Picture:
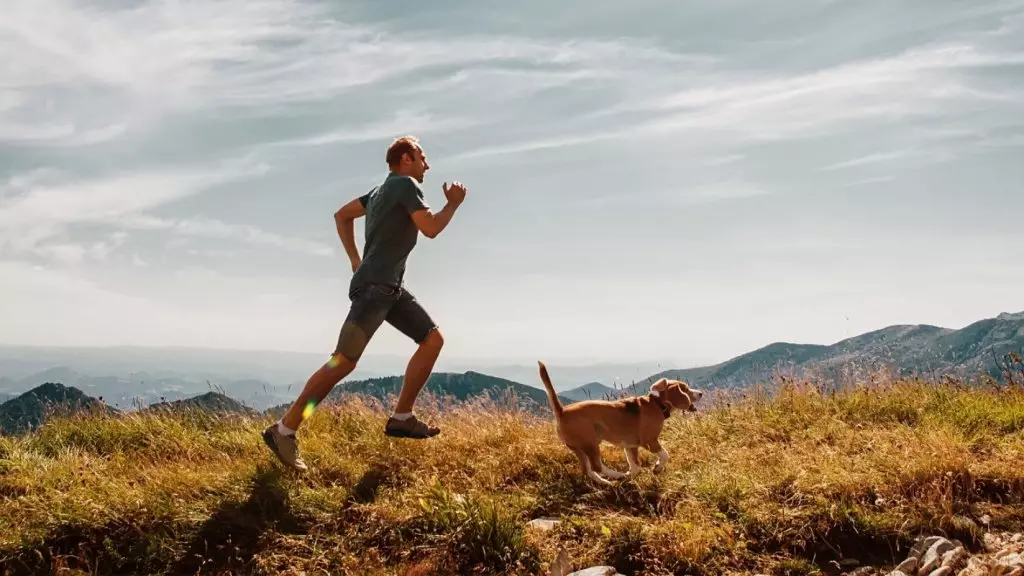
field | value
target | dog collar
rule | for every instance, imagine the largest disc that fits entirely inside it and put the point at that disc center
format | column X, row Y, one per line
column 666, row 410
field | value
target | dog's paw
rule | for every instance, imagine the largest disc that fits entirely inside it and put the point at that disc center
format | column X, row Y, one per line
column 658, row 469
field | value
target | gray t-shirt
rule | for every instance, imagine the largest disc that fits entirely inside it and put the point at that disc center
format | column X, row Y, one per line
column 390, row 232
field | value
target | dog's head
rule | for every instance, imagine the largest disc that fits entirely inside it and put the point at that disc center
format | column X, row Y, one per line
column 677, row 394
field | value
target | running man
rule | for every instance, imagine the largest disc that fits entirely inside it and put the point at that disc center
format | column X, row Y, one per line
column 396, row 213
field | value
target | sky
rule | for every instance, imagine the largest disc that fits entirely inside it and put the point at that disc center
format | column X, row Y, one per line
column 646, row 181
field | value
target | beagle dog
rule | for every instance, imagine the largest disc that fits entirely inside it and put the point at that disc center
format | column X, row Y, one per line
column 629, row 423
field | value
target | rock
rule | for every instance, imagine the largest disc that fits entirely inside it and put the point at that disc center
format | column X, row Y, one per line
column 944, row 571
column 975, row 567
column 864, row 571
column 936, row 547
column 992, row 542
column 542, row 523
column 849, row 562
column 897, row 573
column 954, row 558
column 908, row 566
column 597, row 571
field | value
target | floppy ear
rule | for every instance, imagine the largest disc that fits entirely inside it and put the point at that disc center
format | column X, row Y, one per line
column 660, row 386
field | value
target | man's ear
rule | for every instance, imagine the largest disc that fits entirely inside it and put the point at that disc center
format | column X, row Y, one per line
column 660, row 386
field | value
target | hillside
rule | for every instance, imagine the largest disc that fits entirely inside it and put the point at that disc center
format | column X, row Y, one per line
column 592, row 391
column 213, row 402
column 458, row 387
column 748, row 490
column 27, row 411
column 907, row 349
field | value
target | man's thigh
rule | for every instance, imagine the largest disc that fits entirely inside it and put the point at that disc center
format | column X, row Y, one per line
column 370, row 306
column 410, row 318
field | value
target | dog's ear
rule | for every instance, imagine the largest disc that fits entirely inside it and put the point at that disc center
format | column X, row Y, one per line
column 660, row 386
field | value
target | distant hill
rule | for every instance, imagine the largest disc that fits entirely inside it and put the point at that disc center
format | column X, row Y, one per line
column 593, row 391
column 977, row 349
column 213, row 402
column 134, row 390
column 454, row 386
column 26, row 412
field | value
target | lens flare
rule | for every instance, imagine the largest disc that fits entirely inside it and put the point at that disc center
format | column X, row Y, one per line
column 308, row 410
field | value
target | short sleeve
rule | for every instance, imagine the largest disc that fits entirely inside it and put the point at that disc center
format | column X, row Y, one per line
column 410, row 195
column 364, row 200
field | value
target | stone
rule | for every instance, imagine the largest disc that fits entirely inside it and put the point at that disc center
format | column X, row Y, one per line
column 597, row 571
column 932, row 559
column 954, row 558
column 897, row 573
column 542, row 523
column 908, row 566
column 943, row 571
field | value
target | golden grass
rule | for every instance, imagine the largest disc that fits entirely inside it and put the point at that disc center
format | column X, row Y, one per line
column 781, row 483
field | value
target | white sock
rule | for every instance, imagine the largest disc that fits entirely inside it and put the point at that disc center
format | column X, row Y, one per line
column 402, row 415
column 284, row 429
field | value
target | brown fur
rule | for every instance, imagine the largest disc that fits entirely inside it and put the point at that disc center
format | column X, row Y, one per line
column 629, row 423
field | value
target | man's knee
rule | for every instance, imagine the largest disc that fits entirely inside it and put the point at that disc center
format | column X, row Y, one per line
column 434, row 339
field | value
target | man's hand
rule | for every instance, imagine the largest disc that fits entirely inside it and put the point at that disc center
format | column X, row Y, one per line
column 456, row 193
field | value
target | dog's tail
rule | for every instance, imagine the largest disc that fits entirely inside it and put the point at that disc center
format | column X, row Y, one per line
column 556, row 406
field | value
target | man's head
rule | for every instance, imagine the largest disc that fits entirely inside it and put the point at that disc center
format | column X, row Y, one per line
column 406, row 157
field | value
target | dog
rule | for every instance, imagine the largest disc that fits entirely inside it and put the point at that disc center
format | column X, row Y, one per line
column 629, row 423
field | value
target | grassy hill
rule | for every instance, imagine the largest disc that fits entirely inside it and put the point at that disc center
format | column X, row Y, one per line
column 457, row 387
column 213, row 402
column 27, row 411
column 787, row 481
column 593, row 391
column 979, row 348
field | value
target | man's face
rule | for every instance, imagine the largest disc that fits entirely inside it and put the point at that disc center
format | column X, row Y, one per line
column 418, row 164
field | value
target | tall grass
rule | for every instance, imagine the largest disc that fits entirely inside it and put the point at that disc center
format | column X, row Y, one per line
column 782, row 480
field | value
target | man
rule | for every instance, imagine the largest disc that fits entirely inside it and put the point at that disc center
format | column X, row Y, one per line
column 396, row 213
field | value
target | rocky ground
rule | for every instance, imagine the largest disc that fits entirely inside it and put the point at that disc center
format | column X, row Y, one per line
column 931, row 556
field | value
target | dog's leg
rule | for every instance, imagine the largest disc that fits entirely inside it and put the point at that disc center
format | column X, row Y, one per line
column 633, row 457
column 655, row 447
column 588, row 455
column 611, row 472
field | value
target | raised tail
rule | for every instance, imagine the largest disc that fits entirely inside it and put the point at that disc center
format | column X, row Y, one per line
column 556, row 406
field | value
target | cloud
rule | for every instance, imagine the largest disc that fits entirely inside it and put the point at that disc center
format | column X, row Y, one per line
column 75, row 74
column 42, row 211
column 217, row 230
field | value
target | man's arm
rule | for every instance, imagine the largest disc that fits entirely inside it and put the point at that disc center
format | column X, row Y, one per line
column 429, row 223
column 344, row 220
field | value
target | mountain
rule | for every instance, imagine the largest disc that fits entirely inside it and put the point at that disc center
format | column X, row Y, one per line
column 27, row 411
column 455, row 386
column 134, row 390
column 213, row 402
column 980, row 348
column 593, row 391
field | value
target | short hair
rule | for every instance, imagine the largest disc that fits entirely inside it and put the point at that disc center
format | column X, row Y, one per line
column 400, row 146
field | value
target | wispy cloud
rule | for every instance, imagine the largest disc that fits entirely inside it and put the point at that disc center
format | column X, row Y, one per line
column 113, row 70
column 46, row 210
column 217, row 230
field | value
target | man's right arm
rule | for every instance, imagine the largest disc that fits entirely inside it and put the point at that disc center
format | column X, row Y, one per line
column 429, row 223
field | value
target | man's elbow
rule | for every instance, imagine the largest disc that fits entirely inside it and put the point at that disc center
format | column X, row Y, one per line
column 429, row 233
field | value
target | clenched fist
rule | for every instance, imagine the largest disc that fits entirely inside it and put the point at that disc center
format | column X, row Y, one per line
column 456, row 193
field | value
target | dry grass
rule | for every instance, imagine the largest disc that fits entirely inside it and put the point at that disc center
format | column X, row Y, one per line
column 782, row 483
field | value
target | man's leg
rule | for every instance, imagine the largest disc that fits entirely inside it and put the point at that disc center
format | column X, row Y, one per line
column 369, row 309
column 409, row 317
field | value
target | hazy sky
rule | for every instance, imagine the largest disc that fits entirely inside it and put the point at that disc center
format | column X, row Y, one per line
column 683, row 181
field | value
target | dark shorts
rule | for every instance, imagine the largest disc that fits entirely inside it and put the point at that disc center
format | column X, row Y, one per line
column 374, row 304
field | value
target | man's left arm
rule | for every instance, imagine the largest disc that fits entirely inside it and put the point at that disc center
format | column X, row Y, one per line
column 344, row 220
